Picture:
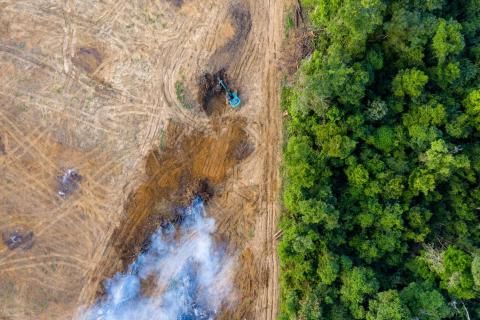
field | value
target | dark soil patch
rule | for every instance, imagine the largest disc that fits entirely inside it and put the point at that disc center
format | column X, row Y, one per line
column 87, row 59
column 176, row 3
column 205, row 190
column 242, row 149
column 216, row 106
column 2, row 147
column 211, row 93
column 242, row 20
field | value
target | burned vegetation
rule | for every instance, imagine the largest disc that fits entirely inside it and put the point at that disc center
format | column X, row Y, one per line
column 68, row 183
column 18, row 239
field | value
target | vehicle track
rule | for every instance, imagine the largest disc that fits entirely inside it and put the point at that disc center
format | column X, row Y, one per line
column 267, row 304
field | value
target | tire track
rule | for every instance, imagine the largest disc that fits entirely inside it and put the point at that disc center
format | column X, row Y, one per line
column 268, row 306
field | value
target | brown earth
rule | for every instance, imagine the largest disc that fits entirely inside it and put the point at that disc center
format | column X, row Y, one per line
column 90, row 86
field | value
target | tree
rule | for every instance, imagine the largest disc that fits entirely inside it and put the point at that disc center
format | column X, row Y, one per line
column 419, row 228
column 357, row 175
column 476, row 271
column 447, row 74
column 377, row 110
column 448, row 40
column 457, row 278
column 330, row 77
column 409, row 82
column 421, row 181
column 424, row 302
column 472, row 107
column 430, row 5
column 407, row 33
column 310, row 307
column 438, row 159
column 328, row 268
column 299, row 160
column 387, row 306
column 357, row 285
column 347, row 29
column 384, row 139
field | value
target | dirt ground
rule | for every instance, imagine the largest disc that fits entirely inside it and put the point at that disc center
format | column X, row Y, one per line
column 108, row 88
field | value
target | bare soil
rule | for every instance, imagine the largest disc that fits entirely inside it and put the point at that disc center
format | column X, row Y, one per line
column 90, row 86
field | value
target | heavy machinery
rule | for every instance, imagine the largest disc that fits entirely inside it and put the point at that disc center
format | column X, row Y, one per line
column 232, row 97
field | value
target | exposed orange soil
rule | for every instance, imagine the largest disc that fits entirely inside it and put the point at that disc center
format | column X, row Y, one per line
column 190, row 162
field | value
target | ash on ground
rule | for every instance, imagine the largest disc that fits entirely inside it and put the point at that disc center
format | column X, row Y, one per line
column 68, row 183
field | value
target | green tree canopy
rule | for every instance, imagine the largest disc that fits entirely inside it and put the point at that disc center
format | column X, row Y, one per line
column 382, row 163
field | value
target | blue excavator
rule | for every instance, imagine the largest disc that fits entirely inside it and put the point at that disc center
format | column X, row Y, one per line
column 232, row 97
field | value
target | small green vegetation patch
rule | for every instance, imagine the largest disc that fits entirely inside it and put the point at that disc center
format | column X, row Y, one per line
column 181, row 93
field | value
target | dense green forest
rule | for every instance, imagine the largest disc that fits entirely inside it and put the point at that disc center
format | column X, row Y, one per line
column 382, row 163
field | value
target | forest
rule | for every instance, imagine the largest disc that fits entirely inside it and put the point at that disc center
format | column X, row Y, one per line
column 381, row 164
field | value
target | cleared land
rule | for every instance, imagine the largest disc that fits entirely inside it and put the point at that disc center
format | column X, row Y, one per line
column 110, row 89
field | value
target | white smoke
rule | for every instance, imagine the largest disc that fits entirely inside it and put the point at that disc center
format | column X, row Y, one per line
column 189, row 274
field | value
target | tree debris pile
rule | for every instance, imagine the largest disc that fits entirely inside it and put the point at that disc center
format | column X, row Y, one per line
column 299, row 45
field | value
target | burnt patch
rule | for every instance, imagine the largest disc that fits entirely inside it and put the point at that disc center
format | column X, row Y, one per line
column 68, row 183
column 87, row 59
column 205, row 190
column 18, row 239
column 191, row 188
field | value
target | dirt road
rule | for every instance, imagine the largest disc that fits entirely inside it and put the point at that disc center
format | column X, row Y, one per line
column 94, row 86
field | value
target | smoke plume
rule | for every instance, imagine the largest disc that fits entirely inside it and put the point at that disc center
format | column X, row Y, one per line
column 189, row 274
